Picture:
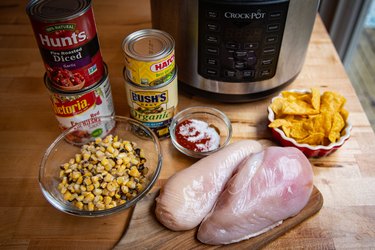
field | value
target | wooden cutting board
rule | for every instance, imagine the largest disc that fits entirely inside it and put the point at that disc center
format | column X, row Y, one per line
column 145, row 232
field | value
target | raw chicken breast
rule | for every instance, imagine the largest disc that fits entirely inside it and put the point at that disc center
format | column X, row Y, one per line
column 269, row 186
column 189, row 195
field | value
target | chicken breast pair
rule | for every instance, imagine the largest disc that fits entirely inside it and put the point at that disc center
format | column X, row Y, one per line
column 237, row 193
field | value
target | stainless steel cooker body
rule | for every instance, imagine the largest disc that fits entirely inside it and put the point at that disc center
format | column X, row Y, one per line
column 193, row 25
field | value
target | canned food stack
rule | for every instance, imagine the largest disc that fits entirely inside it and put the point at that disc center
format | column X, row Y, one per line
column 151, row 78
column 76, row 76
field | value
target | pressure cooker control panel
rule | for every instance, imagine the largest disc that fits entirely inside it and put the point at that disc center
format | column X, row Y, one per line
column 239, row 41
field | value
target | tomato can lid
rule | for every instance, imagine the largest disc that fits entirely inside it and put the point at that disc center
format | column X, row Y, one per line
column 57, row 10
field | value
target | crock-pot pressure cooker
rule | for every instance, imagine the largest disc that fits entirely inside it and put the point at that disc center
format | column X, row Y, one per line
column 236, row 50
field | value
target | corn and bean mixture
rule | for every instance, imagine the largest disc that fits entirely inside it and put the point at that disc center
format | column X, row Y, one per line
column 108, row 172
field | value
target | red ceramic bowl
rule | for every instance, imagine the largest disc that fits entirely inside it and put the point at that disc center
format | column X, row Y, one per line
column 309, row 150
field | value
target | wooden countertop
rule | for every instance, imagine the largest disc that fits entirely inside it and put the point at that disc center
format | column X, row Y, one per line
column 27, row 126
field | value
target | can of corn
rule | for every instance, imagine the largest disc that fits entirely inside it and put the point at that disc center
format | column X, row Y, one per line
column 149, row 57
column 154, row 106
column 71, row 108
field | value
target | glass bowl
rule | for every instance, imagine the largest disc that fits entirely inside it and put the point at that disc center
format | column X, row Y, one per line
column 311, row 151
column 213, row 117
column 63, row 148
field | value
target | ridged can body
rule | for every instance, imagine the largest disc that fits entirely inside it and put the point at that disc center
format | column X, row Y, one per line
column 71, row 108
column 66, row 34
column 149, row 57
column 154, row 106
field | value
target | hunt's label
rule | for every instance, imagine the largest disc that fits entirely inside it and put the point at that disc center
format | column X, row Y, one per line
column 68, row 43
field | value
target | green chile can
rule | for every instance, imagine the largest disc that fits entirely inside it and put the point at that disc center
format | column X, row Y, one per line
column 149, row 57
column 154, row 106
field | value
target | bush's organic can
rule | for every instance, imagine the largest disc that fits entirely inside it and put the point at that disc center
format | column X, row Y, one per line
column 154, row 106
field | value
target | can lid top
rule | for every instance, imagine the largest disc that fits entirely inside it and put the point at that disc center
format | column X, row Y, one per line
column 59, row 10
column 148, row 44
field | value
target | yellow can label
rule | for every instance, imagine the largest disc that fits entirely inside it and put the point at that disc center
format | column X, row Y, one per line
column 150, row 73
column 154, row 107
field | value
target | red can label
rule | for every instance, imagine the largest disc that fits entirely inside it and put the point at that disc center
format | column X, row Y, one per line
column 75, row 107
column 70, row 50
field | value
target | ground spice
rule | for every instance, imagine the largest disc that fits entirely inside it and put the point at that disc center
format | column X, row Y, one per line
column 197, row 135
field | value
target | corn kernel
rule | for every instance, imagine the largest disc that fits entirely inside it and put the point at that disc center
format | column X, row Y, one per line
column 128, row 147
column 107, row 200
column 124, row 189
column 98, row 198
column 108, row 167
column 139, row 187
column 90, row 188
column 80, row 198
column 87, row 181
column 78, row 158
column 76, row 175
column 88, row 198
column 68, row 196
column 100, row 205
column 108, row 178
column 104, row 161
column 86, row 156
column 116, row 144
column 97, row 191
column 111, row 187
column 66, row 166
column 121, row 155
column 134, row 172
column 90, row 206
column 134, row 161
column 110, row 149
column 99, row 154
column 79, row 180
column 79, row 205
column 131, row 184
column 112, row 162
column 120, row 180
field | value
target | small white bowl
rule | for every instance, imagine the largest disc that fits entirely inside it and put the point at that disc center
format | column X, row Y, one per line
column 209, row 115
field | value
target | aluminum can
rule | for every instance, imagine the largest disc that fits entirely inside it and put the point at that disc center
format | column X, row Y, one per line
column 154, row 106
column 71, row 108
column 66, row 34
column 149, row 57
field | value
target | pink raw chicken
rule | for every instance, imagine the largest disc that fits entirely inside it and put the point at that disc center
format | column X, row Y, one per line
column 190, row 194
column 269, row 186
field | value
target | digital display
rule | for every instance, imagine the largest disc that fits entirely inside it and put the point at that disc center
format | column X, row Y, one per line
column 242, row 34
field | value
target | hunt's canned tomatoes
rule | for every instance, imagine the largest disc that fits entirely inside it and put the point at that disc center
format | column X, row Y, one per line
column 71, row 108
column 149, row 57
column 66, row 34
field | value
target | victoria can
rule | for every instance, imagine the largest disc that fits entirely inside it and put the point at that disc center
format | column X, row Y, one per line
column 66, row 34
column 154, row 106
column 71, row 108
column 149, row 57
